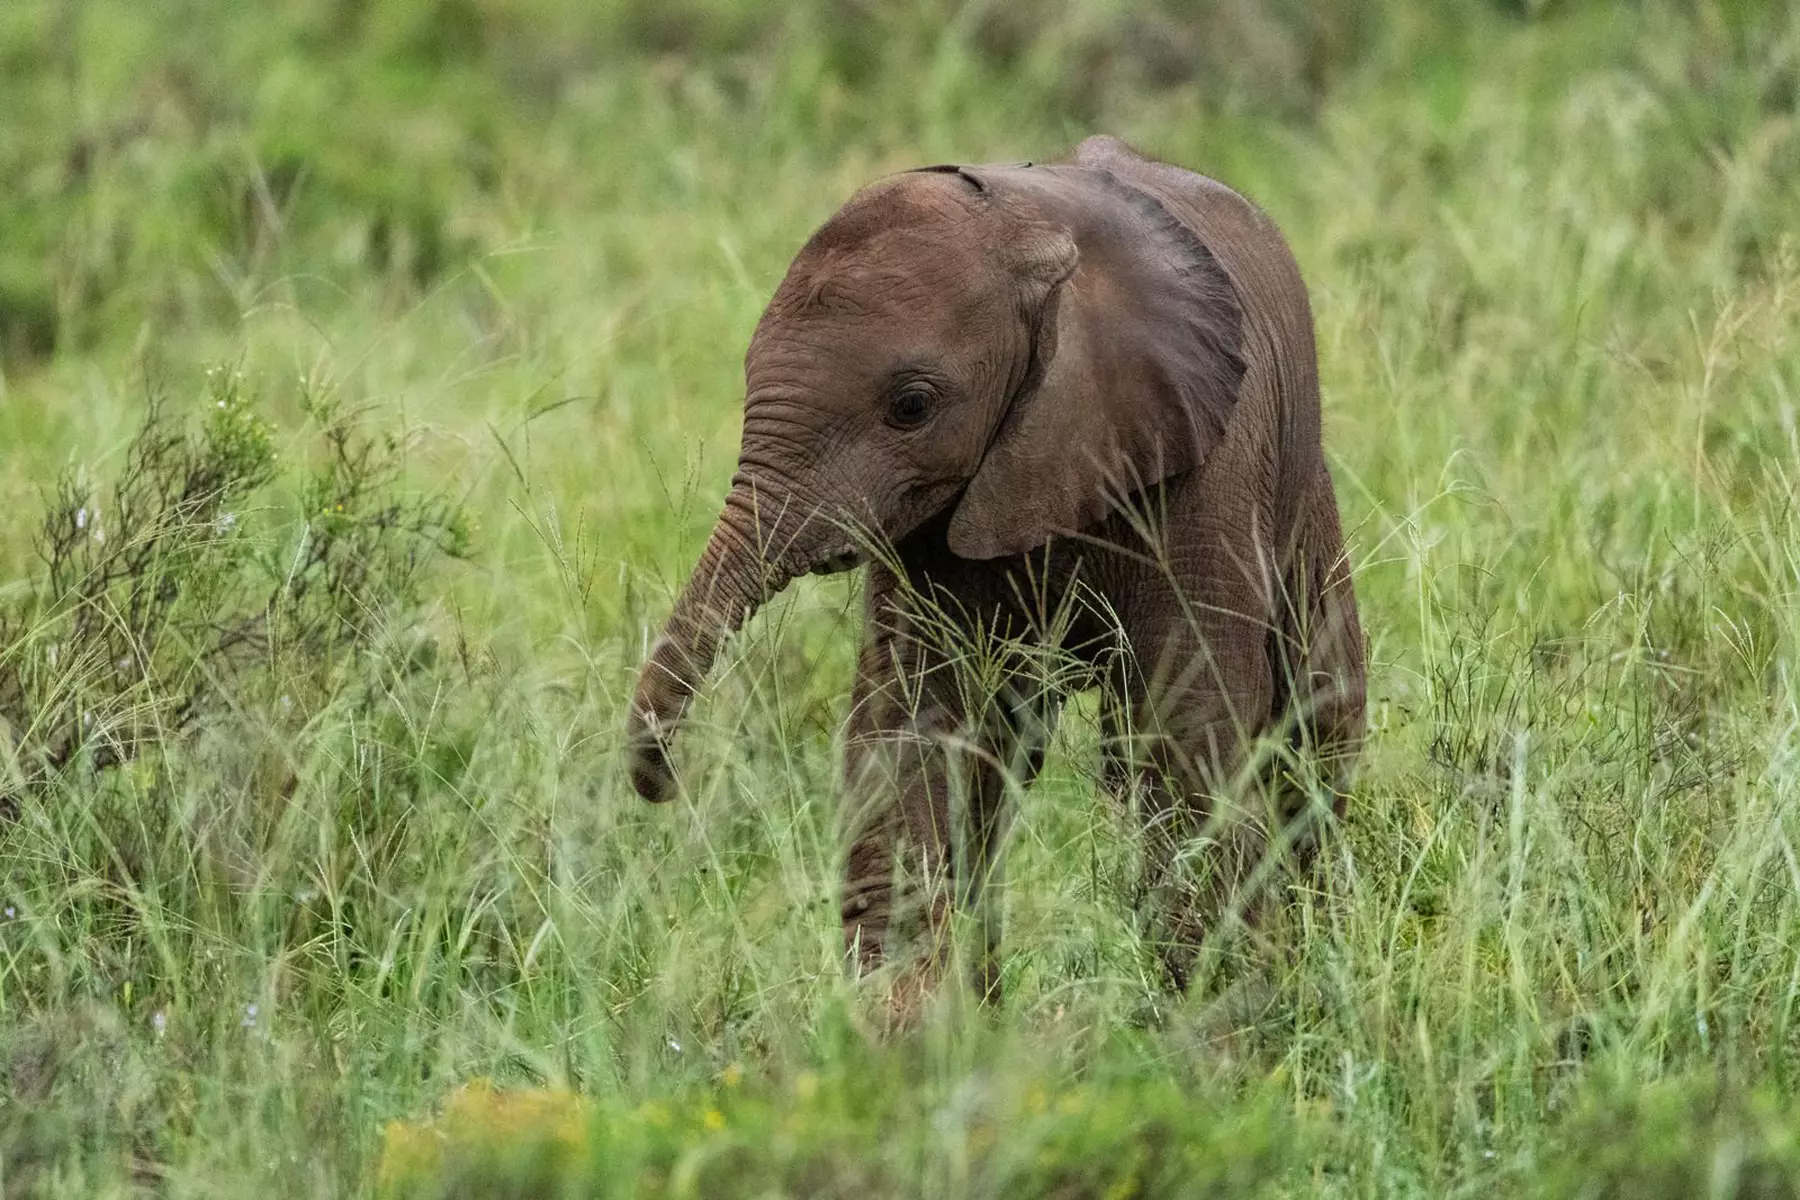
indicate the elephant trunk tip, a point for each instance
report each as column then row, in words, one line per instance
column 652, row 774
column 665, row 688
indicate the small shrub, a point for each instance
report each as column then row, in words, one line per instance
column 160, row 600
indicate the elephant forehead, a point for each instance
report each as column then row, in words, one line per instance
column 934, row 205
column 888, row 272
column 867, row 327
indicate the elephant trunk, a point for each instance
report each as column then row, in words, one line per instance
column 731, row 581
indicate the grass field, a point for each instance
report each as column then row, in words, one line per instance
column 310, row 704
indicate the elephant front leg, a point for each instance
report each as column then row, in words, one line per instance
column 867, row 895
column 934, row 848
column 926, row 770
column 895, row 802
column 901, row 873
column 899, row 868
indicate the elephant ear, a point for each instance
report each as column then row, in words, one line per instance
column 1135, row 365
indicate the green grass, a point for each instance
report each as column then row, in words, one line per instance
column 1554, row 947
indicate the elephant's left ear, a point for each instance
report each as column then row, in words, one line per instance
column 1135, row 366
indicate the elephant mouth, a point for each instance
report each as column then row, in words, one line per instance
column 837, row 563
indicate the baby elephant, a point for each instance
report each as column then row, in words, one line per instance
column 1068, row 416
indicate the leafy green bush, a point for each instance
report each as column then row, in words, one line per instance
column 174, row 596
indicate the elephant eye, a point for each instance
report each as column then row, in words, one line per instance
column 908, row 407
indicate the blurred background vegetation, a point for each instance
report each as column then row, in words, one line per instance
column 164, row 164
column 311, row 809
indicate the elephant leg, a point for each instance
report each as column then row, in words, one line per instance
column 1316, row 655
column 1204, row 690
column 872, row 803
column 900, row 871
column 868, row 884
column 908, row 743
column 1200, row 693
column 921, row 742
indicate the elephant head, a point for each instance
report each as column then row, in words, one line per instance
column 1013, row 346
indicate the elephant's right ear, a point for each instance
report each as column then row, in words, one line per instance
column 1135, row 366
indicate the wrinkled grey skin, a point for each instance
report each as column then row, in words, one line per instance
column 1075, row 406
